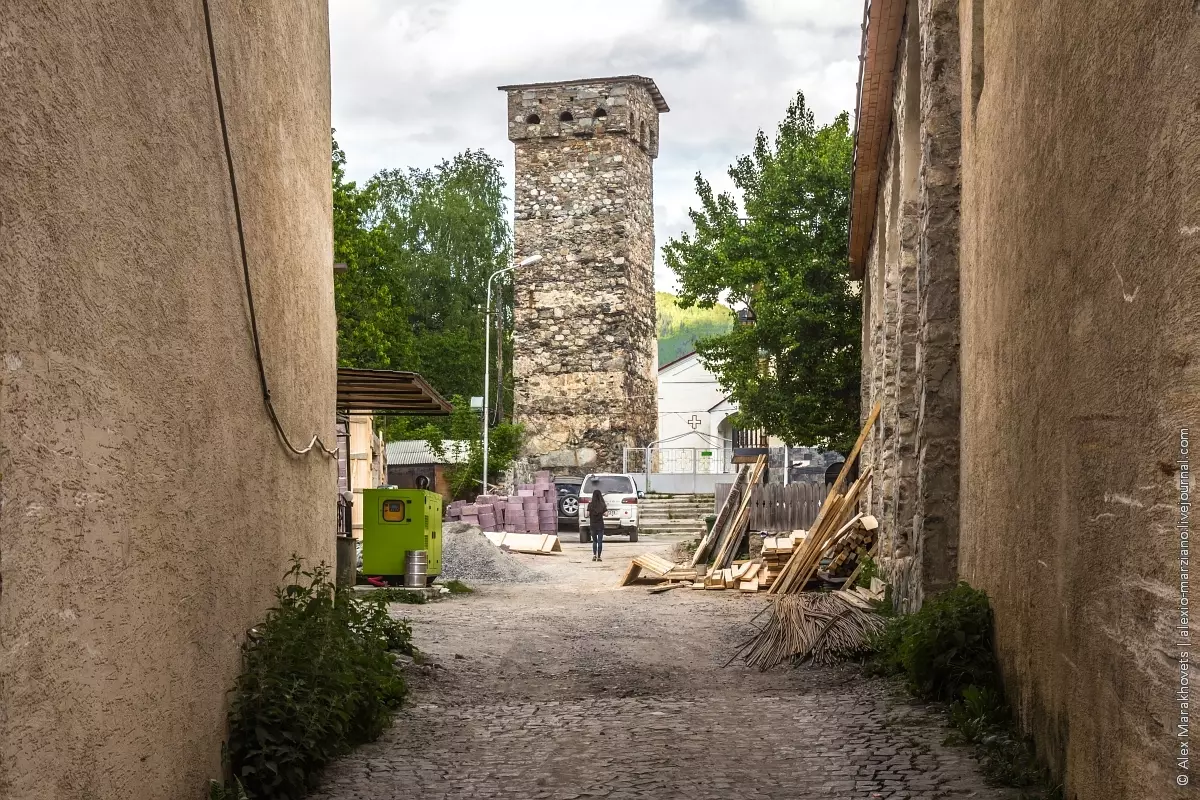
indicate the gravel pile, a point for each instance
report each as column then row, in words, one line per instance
column 468, row 556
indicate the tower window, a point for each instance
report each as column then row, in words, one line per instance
column 632, row 124
column 643, row 130
column 600, row 113
column 533, row 119
column 566, row 116
column 653, row 139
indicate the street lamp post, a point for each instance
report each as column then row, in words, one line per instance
column 487, row 353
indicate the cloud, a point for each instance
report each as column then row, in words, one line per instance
column 712, row 9
column 415, row 83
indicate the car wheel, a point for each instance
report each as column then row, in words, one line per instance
column 568, row 506
column 584, row 536
column 633, row 535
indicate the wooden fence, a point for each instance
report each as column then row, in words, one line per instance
column 777, row 508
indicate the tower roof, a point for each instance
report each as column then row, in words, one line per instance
column 655, row 94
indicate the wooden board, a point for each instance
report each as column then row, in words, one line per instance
column 536, row 543
column 631, row 574
column 713, row 537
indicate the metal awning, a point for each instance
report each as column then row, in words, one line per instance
column 387, row 393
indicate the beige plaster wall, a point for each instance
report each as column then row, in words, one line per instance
column 1080, row 266
column 146, row 507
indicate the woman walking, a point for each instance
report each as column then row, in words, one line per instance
column 596, row 509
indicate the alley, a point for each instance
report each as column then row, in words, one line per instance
column 574, row 688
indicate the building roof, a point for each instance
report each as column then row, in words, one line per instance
column 651, row 87
column 412, row 452
column 882, row 21
column 388, row 393
column 683, row 357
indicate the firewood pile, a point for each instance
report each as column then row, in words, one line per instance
column 848, row 555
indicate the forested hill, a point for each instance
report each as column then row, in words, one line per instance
column 679, row 328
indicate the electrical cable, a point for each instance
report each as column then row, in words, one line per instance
column 237, row 213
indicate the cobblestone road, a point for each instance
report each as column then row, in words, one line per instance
column 577, row 689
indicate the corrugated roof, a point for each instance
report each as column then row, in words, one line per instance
column 388, row 393
column 417, row 451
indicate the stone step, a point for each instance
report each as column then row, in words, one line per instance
column 678, row 509
column 682, row 525
column 656, row 514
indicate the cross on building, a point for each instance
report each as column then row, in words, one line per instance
column 694, row 422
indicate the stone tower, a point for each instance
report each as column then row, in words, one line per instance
column 585, row 355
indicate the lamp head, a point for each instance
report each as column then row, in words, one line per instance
column 531, row 260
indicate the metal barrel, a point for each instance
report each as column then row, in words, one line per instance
column 416, row 567
column 347, row 562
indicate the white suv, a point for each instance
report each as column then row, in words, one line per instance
column 620, row 496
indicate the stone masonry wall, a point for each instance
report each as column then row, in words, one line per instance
column 891, row 326
column 936, row 513
column 584, row 345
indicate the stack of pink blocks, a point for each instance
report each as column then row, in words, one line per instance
column 533, row 509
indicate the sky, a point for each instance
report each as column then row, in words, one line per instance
column 414, row 82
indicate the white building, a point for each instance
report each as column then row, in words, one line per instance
column 693, row 410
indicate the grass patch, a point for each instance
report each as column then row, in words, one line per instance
column 945, row 652
column 318, row 677
column 456, row 586
column 396, row 594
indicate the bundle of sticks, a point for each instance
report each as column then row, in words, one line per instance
column 814, row 626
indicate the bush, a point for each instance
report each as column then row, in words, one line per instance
column 945, row 652
column 317, row 678
column 455, row 586
column 943, row 648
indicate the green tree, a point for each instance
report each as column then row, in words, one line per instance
column 782, row 253
column 371, row 308
column 504, row 445
column 419, row 245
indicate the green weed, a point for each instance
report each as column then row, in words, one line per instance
column 870, row 570
column 317, row 678
column 395, row 594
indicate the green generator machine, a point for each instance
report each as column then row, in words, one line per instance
column 395, row 522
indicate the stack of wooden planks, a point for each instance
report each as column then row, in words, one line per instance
column 837, row 539
column 660, row 570
column 741, row 575
column 775, row 554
